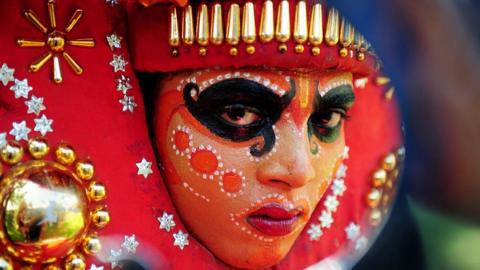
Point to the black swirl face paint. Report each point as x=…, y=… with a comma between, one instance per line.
x=239, y=110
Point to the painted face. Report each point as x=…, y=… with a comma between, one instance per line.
x=248, y=154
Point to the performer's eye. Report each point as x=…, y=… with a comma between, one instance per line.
x=240, y=115
x=330, y=111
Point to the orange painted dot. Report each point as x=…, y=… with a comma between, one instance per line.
x=204, y=161
x=182, y=140
x=232, y=182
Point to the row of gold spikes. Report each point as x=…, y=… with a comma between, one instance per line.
x=244, y=28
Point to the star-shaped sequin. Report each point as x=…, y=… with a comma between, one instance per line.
x=128, y=103
x=130, y=244
x=114, y=41
x=315, y=232
x=35, y=105
x=181, y=239
x=166, y=221
x=6, y=74
x=20, y=131
x=3, y=139
x=352, y=231
x=112, y=2
x=43, y=125
x=326, y=219
x=118, y=63
x=123, y=84
x=338, y=187
x=21, y=88
x=331, y=203
x=144, y=168
x=341, y=171
x=115, y=257
x=94, y=267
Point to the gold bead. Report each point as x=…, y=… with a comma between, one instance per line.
x=343, y=52
x=52, y=267
x=379, y=178
x=187, y=26
x=315, y=33
x=65, y=154
x=85, y=170
x=266, y=33
x=315, y=51
x=101, y=218
x=389, y=184
x=91, y=245
x=282, y=48
x=12, y=153
x=248, y=27
x=374, y=197
x=233, y=51
x=282, y=31
x=333, y=27
x=375, y=217
x=299, y=48
x=75, y=262
x=174, y=52
x=203, y=28
x=96, y=191
x=38, y=148
x=361, y=56
x=174, y=38
x=300, y=27
x=389, y=93
x=381, y=80
x=202, y=51
x=5, y=263
x=250, y=49
x=385, y=200
x=216, y=27
x=233, y=25
x=389, y=162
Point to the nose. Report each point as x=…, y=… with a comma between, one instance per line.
x=290, y=166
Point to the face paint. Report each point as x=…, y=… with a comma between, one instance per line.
x=249, y=155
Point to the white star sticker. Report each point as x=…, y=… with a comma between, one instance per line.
x=112, y=2
x=144, y=168
x=123, y=84
x=114, y=41
x=341, y=171
x=3, y=139
x=181, y=239
x=43, y=125
x=326, y=219
x=20, y=131
x=128, y=103
x=166, y=221
x=331, y=203
x=118, y=63
x=315, y=232
x=21, y=88
x=94, y=267
x=338, y=187
x=115, y=257
x=361, y=244
x=130, y=244
x=35, y=105
x=6, y=74
x=352, y=231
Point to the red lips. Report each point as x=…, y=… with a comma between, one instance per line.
x=274, y=219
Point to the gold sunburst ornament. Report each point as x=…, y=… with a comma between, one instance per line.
x=55, y=41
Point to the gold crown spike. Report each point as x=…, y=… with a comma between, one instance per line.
x=315, y=34
x=249, y=32
x=202, y=33
x=216, y=27
x=347, y=34
x=333, y=27
x=300, y=28
x=51, y=13
x=174, y=37
x=233, y=27
x=266, y=33
x=77, y=15
x=359, y=44
x=282, y=31
x=33, y=19
x=187, y=26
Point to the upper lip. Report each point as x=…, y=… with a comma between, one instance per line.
x=277, y=211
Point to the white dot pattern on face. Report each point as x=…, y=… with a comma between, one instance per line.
x=187, y=150
x=331, y=85
x=242, y=185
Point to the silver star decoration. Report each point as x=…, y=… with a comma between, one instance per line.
x=123, y=84
x=352, y=231
x=94, y=267
x=181, y=239
x=115, y=257
x=326, y=219
x=114, y=41
x=331, y=203
x=21, y=88
x=315, y=232
x=166, y=221
x=361, y=244
x=128, y=103
x=35, y=105
x=3, y=139
x=20, y=131
x=338, y=187
x=6, y=74
x=43, y=125
x=144, y=168
x=118, y=63
x=112, y=2
x=341, y=171
x=130, y=244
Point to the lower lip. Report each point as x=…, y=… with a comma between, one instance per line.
x=273, y=227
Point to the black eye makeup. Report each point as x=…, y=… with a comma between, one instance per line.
x=329, y=112
x=238, y=110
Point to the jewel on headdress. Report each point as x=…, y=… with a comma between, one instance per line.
x=202, y=32
x=347, y=34
x=333, y=27
x=282, y=31
x=216, y=27
x=233, y=27
x=266, y=33
x=300, y=28
x=249, y=31
x=315, y=34
x=174, y=37
x=187, y=26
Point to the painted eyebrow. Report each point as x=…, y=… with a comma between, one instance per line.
x=331, y=85
x=339, y=96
